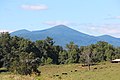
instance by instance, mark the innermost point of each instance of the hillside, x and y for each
(63, 35)
(102, 71)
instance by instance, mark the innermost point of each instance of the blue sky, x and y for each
(94, 17)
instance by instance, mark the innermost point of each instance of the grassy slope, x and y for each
(104, 71)
(8, 76)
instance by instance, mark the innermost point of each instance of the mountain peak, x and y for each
(62, 28)
(106, 36)
(22, 31)
(61, 25)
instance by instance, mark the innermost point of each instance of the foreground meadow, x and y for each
(102, 71)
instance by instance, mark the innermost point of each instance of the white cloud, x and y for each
(4, 30)
(109, 29)
(93, 28)
(53, 23)
(117, 17)
(34, 7)
(114, 17)
(67, 23)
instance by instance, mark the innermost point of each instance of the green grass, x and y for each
(104, 71)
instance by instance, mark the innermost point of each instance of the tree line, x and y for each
(22, 56)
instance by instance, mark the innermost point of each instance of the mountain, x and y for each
(62, 35)
(109, 39)
(21, 33)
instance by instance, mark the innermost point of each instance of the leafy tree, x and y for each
(18, 55)
(73, 53)
(63, 56)
(48, 50)
(49, 61)
(5, 39)
(117, 53)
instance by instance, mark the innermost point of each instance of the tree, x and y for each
(87, 54)
(48, 50)
(29, 57)
(5, 39)
(73, 53)
(18, 55)
(117, 53)
(63, 56)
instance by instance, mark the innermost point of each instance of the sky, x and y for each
(93, 17)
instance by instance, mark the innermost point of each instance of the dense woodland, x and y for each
(22, 56)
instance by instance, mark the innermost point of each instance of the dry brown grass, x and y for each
(103, 71)
(10, 76)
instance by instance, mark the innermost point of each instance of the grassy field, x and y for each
(10, 76)
(103, 71)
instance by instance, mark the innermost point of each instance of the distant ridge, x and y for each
(62, 35)
(110, 39)
(22, 31)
